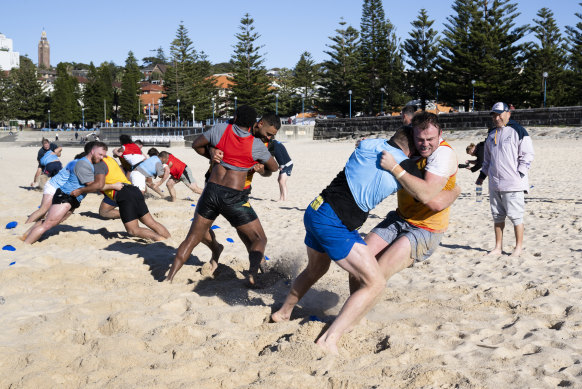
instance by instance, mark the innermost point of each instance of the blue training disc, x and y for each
(229, 240)
(11, 225)
(8, 248)
(11, 263)
(214, 227)
(267, 258)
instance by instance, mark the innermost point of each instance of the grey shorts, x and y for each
(507, 204)
(187, 177)
(422, 242)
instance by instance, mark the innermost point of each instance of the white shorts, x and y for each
(507, 204)
(48, 189)
(138, 179)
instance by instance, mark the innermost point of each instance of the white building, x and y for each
(8, 59)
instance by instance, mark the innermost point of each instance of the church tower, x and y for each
(44, 52)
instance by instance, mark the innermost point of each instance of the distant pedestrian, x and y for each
(281, 155)
(76, 135)
(476, 150)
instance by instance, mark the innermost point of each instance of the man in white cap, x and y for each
(508, 155)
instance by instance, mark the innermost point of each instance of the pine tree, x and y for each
(5, 86)
(98, 95)
(305, 77)
(188, 79)
(26, 98)
(130, 90)
(250, 82)
(422, 49)
(575, 61)
(64, 106)
(548, 55)
(381, 57)
(288, 103)
(342, 72)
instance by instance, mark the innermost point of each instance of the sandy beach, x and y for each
(85, 308)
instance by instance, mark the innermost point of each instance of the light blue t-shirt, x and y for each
(48, 157)
(62, 176)
(151, 167)
(369, 183)
(81, 172)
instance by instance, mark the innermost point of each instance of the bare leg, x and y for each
(150, 184)
(256, 241)
(361, 264)
(283, 186)
(199, 227)
(55, 215)
(108, 211)
(156, 231)
(498, 227)
(210, 241)
(317, 265)
(45, 204)
(376, 246)
(195, 188)
(170, 185)
(518, 240)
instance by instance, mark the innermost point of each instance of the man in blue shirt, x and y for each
(50, 149)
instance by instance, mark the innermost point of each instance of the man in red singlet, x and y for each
(179, 171)
(224, 194)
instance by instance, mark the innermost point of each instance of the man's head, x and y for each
(46, 144)
(266, 128)
(139, 143)
(407, 113)
(427, 132)
(164, 156)
(471, 149)
(124, 139)
(245, 116)
(500, 114)
(153, 151)
(97, 153)
(404, 139)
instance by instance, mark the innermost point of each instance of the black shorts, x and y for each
(51, 169)
(61, 197)
(231, 203)
(131, 203)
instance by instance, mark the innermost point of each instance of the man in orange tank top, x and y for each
(224, 194)
(415, 229)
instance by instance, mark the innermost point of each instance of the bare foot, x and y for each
(327, 347)
(254, 272)
(516, 252)
(493, 253)
(278, 317)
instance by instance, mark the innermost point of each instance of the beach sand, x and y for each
(84, 308)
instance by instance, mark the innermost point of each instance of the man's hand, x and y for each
(387, 162)
(216, 155)
(117, 186)
(76, 192)
(259, 168)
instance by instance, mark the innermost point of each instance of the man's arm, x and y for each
(485, 167)
(91, 187)
(199, 145)
(422, 190)
(270, 166)
(444, 199)
(36, 175)
(525, 155)
(118, 152)
(57, 151)
(115, 186)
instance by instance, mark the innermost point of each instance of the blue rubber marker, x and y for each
(8, 248)
(214, 227)
(11, 225)
(229, 240)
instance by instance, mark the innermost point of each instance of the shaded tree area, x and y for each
(65, 106)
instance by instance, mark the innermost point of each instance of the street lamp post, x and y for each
(235, 98)
(105, 112)
(545, 77)
(437, 96)
(83, 113)
(193, 115)
(178, 113)
(149, 114)
(350, 93)
(302, 107)
(49, 113)
(276, 104)
(473, 83)
(213, 111)
(159, 111)
(382, 100)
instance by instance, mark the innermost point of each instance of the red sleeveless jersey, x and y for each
(131, 148)
(238, 151)
(177, 167)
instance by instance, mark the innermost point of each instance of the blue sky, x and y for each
(106, 30)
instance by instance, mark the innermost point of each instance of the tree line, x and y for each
(479, 58)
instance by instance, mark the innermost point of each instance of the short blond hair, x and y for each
(469, 148)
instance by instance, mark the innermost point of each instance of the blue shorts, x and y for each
(324, 231)
(287, 170)
(108, 201)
